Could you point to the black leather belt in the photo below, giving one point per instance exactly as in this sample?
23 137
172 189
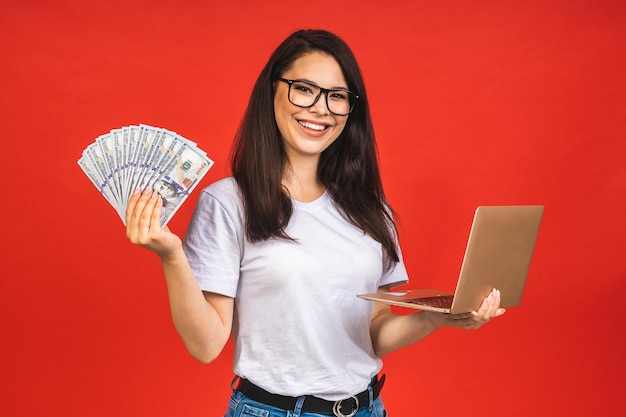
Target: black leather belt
342 408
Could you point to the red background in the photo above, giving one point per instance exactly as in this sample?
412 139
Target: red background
486 102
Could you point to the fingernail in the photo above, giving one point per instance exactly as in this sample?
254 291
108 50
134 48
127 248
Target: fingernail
137 191
147 191
154 195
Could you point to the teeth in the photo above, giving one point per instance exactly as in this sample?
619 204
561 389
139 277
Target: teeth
312 126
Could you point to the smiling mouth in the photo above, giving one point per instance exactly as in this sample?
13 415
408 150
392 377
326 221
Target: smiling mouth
313 126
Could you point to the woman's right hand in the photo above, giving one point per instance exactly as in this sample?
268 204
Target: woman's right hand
143 224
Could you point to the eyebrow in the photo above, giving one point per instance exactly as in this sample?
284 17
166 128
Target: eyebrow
306 80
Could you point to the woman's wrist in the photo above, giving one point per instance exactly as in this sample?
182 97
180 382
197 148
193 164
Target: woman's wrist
434 320
173 257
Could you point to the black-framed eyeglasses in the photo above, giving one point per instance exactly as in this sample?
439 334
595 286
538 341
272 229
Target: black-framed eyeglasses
305 94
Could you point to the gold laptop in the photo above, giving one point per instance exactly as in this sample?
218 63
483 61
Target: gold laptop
498 254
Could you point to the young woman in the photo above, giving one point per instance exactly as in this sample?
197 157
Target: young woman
278 252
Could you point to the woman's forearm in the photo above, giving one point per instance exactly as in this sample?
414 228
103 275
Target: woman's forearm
203 321
391 332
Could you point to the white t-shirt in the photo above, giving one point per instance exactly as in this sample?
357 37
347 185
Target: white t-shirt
298 327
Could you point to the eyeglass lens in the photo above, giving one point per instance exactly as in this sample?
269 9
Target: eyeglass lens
305 95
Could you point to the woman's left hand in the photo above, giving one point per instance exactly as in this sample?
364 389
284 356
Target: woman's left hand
489 309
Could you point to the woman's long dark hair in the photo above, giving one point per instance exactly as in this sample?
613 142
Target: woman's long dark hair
348 168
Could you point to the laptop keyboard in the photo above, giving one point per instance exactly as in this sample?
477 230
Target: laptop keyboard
440 301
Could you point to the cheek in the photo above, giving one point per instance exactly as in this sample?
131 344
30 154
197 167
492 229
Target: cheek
341 126
282 116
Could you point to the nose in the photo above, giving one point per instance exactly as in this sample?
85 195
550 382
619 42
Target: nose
320 106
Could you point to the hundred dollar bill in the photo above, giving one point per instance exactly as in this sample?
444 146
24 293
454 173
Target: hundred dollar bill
179 178
97 181
106 152
95 157
143 150
151 158
116 143
131 136
166 150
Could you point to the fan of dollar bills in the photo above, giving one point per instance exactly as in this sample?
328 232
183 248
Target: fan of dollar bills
138 157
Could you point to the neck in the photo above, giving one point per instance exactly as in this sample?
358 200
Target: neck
301 181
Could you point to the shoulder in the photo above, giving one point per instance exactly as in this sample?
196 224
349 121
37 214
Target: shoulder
223 193
224 188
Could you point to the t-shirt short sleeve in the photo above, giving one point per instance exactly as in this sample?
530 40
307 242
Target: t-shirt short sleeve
396 275
214 240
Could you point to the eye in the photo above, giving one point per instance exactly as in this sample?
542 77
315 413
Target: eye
338 95
302 88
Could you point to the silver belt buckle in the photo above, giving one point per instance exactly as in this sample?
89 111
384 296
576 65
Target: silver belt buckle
337 407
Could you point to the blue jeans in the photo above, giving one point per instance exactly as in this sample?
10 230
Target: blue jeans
241 406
